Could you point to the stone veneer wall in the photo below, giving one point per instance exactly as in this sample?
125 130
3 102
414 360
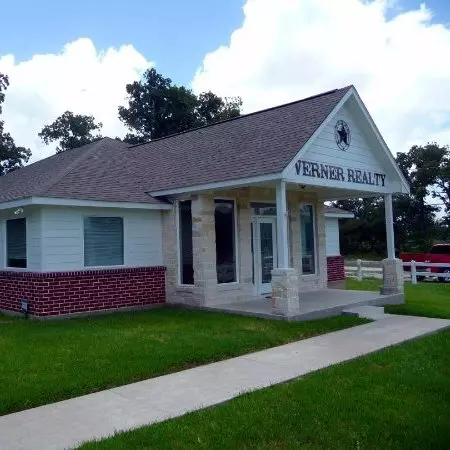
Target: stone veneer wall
335 268
206 289
61 293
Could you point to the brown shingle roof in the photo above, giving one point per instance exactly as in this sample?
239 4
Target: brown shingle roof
260 143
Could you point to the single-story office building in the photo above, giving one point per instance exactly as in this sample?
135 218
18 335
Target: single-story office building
220 214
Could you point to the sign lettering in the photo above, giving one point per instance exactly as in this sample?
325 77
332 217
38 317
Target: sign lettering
337 173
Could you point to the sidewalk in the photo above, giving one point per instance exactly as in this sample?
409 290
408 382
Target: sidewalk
68 423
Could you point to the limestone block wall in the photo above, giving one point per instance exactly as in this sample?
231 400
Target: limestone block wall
206 290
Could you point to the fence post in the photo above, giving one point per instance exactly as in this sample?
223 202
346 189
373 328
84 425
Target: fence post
359 273
413 272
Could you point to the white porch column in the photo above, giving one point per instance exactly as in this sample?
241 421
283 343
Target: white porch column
390 240
392 268
282 226
285 299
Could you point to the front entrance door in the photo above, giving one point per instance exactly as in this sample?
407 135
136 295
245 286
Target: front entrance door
264 252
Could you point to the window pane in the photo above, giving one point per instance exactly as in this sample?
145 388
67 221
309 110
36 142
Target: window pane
307 237
186 255
103 241
263 209
225 243
16 243
266 246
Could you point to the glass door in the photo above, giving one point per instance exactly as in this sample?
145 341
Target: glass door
265 252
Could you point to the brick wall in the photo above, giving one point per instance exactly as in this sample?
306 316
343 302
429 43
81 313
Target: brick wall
52 294
335 268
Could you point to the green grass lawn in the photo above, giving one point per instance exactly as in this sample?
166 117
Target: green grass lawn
398 398
43 362
428 299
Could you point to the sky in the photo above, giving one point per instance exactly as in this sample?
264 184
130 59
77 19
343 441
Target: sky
79 56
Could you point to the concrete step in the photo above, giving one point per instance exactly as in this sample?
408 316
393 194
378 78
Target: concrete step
366 312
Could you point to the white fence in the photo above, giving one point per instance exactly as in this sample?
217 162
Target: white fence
375 269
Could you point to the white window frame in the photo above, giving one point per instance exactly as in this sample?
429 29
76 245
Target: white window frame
117 266
5 241
236 240
316 242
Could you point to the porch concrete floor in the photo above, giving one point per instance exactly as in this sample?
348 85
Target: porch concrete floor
313 304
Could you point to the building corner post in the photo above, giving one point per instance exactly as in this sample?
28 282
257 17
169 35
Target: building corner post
390 239
285 299
393 279
282 226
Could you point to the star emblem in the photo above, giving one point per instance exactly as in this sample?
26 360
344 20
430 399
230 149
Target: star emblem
342 135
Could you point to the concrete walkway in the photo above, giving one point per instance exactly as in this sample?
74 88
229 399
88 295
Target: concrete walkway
66 424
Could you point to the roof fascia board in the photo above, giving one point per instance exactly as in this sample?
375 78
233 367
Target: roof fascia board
49 201
316 133
383 145
240 182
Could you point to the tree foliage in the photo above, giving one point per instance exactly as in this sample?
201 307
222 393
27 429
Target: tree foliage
11 156
417 222
158 108
71 130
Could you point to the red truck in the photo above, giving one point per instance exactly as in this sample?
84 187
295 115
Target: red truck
439 253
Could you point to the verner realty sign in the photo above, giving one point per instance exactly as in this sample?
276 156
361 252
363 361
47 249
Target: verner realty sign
329 172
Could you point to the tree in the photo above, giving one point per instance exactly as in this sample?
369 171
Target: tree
423 166
71 130
212 108
158 108
366 234
11 156
416 228
441 189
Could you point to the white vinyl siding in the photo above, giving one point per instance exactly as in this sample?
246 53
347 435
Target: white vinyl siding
34 240
361 155
332 236
63 244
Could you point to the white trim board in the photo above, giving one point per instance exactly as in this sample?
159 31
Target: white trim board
50 201
239 182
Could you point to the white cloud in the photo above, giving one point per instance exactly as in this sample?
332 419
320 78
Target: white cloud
289 49
81 79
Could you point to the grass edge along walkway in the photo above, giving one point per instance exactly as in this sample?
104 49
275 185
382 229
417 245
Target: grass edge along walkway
45 362
426 299
396 398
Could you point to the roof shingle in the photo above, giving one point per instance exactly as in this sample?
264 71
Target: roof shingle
260 143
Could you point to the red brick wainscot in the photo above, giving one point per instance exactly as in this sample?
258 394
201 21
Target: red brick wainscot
335 268
57 293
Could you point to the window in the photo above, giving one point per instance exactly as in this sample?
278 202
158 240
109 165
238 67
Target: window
307 239
16 243
263 209
225 241
185 238
103 241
